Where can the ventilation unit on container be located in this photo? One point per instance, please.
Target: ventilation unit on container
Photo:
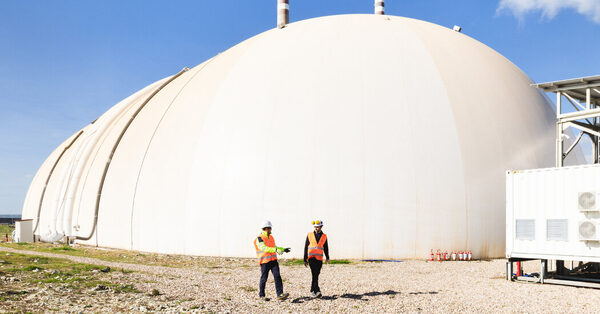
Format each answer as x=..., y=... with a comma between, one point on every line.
x=587, y=201
x=588, y=231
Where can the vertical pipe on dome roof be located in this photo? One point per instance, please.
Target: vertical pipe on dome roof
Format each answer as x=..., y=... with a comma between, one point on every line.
x=379, y=7
x=283, y=13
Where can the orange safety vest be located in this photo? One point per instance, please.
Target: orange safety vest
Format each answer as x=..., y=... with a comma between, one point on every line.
x=315, y=250
x=265, y=257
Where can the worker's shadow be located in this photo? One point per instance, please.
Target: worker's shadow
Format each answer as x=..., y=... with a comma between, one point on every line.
x=360, y=297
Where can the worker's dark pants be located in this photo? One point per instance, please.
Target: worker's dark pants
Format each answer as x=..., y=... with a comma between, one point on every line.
x=272, y=266
x=315, y=269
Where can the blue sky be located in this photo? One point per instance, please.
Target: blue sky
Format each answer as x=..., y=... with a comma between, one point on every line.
x=63, y=63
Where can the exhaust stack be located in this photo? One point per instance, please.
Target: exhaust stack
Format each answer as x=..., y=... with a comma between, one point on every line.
x=283, y=13
x=379, y=7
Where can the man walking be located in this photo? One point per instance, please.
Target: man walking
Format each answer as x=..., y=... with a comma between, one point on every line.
x=266, y=251
x=314, y=248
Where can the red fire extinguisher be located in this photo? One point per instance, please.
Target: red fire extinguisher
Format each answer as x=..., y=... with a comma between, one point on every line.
x=454, y=255
x=445, y=255
x=460, y=255
x=439, y=256
x=470, y=256
x=431, y=256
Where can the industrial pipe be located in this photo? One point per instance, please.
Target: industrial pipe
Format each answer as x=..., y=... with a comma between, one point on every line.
x=62, y=210
x=379, y=7
x=283, y=13
x=112, y=153
x=37, y=219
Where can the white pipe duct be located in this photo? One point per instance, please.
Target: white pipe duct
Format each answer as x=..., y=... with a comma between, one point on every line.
x=103, y=125
x=61, y=213
x=39, y=207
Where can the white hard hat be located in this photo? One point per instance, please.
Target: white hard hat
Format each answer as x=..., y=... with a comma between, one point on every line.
x=267, y=224
x=317, y=223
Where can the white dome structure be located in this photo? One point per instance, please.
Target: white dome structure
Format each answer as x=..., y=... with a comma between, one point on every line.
x=394, y=131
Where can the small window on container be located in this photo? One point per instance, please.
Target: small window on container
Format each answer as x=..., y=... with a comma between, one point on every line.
x=557, y=230
x=525, y=229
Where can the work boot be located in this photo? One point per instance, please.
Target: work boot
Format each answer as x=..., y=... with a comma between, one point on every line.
x=265, y=299
x=283, y=296
x=313, y=295
x=318, y=294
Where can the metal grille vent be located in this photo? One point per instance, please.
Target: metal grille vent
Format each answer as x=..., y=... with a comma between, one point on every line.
x=588, y=230
x=557, y=230
x=525, y=229
x=587, y=201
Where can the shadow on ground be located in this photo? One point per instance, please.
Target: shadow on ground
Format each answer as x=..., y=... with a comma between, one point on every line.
x=349, y=296
x=420, y=292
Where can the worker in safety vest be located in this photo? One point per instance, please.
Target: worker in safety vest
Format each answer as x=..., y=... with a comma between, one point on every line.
x=266, y=251
x=314, y=249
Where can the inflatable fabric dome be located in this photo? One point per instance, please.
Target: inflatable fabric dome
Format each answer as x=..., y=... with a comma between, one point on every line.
x=395, y=132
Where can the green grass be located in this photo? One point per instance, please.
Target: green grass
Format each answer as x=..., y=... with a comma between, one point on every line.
x=132, y=257
x=6, y=229
x=12, y=295
x=40, y=270
x=292, y=262
x=30, y=268
x=154, y=292
x=60, y=266
x=248, y=288
x=63, y=248
x=38, y=259
x=297, y=262
x=125, y=289
x=340, y=261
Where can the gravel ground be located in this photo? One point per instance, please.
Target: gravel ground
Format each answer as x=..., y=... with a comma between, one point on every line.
x=411, y=286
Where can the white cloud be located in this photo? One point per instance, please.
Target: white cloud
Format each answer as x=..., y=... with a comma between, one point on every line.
x=550, y=8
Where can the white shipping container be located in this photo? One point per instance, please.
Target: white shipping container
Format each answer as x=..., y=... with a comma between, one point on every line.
x=23, y=230
x=554, y=213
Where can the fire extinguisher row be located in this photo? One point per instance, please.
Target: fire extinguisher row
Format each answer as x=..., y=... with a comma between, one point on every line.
x=460, y=256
